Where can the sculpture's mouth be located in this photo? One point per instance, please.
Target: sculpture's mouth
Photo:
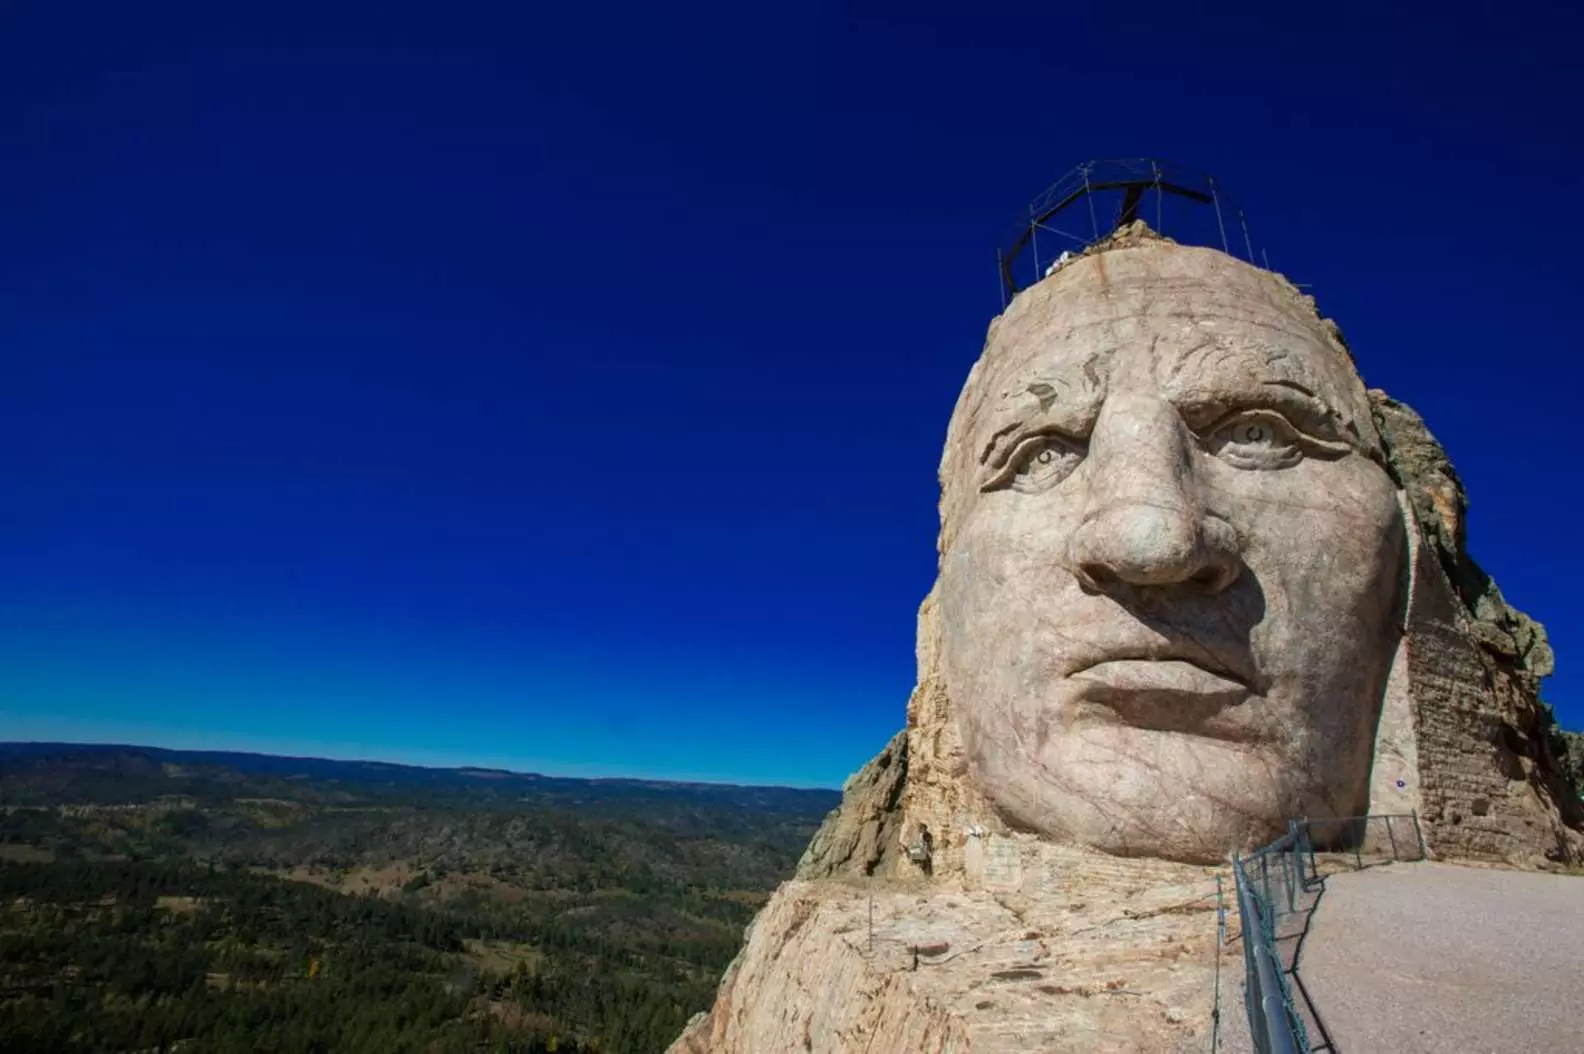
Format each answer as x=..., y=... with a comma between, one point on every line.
x=1198, y=696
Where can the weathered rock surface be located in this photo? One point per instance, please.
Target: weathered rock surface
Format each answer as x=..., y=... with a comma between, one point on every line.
x=1492, y=780
x=1057, y=949
x=959, y=898
x=861, y=834
x=1569, y=748
x=1440, y=506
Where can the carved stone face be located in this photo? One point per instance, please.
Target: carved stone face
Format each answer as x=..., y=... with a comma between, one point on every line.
x=1170, y=559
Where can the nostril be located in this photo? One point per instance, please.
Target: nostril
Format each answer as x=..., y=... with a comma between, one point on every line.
x=1099, y=574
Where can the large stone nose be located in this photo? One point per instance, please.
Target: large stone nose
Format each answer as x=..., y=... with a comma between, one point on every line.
x=1145, y=521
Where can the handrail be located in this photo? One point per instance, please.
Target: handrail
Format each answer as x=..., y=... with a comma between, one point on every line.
x=1271, y=1022
x=1274, y=1021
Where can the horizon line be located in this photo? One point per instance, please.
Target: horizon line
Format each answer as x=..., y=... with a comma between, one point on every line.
x=461, y=768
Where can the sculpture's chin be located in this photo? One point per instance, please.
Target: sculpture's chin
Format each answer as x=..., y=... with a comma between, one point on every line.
x=1133, y=791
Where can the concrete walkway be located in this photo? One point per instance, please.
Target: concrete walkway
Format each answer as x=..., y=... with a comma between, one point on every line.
x=1429, y=957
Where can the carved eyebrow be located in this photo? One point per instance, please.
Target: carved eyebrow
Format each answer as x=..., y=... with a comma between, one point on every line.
x=1314, y=405
x=1008, y=440
x=1307, y=409
x=1284, y=383
x=1067, y=405
x=996, y=437
x=1047, y=393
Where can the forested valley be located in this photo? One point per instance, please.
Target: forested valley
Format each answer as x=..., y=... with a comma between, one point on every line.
x=161, y=901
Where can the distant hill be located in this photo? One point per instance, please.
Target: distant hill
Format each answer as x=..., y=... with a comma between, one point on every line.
x=157, y=899
x=72, y=773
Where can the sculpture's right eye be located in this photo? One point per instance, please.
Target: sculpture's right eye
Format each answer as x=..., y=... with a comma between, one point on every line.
x=1039, y=463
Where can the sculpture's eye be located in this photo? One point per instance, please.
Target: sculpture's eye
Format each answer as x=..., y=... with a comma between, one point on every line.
x=1258, y=439
x=1041, y=462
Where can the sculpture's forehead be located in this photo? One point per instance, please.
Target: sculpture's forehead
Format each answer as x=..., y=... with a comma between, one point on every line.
x=1175, y=356
x=1187, y=322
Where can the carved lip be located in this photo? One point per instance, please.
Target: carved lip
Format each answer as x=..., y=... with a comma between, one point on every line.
x=1170, y=693
x=1220, y=663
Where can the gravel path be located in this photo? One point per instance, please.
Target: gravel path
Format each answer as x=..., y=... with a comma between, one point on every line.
x=1430, y=957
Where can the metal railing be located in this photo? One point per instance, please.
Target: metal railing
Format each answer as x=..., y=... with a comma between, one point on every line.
x=1270, y=882
x=1110, y=194
x=1274, y=1021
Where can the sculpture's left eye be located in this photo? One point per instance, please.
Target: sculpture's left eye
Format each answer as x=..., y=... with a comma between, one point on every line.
x=1040, y=462
x=1257, y=439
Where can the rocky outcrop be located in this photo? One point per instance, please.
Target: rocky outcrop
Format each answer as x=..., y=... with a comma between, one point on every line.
x=1569, y=747
x=1440, y=504
x=1059, y=950
x=860, y=836
x=1493, y=781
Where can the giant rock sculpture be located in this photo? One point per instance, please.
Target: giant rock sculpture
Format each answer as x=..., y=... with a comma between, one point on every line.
x=1195, y=581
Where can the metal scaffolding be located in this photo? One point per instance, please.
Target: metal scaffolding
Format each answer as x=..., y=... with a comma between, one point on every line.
x=1115, y=193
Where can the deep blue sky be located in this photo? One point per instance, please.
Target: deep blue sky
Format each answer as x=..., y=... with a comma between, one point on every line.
x=561, y=388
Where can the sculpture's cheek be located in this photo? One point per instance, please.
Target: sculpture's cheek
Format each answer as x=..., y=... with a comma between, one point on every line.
x=1007, y=567
x=1324, y=542
x=1011, y=612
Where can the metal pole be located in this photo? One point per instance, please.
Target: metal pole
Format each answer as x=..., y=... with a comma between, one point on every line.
x=1215, y=1011
x=1220, y=914
x=1358, y=861
x=1094, y=221
x=871, y=916
x=1294, y=866
x=1247, y=241
x=1001, y=278
x=1160, y=198
x=1034, y=243
x=1298, y=861
x=1392, y=837
x=1424, y=850
x=1215, y=199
